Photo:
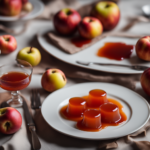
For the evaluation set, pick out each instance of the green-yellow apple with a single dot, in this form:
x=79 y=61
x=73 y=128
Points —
x=66 y=21
x=10 y=7
x=30 y=54
x=10 y=120
x=53 y=79
x=108 y=13
x=7 y=44
x=143 y=48
x=90 y=27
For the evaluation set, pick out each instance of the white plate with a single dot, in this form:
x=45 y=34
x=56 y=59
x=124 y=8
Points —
x=38 y=8
x=135 y=107
x=89 y=54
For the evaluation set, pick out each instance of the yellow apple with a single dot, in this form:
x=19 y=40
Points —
x=31 y=55
x=53 y=79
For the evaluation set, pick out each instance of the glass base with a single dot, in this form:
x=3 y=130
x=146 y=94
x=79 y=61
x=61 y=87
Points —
x=15 y=104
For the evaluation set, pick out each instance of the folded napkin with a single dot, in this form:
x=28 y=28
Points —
x=65 y=44
x=47 y=135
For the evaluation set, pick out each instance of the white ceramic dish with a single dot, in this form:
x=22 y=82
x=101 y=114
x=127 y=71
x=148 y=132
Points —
x=38 y=8
x=135 y=107
x=89 y=55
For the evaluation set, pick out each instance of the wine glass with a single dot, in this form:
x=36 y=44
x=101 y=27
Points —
x=15 y=76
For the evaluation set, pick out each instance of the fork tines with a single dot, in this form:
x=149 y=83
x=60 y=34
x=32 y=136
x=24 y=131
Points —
x=35 y=99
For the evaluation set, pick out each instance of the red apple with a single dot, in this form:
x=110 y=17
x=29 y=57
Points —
x=53 y=79
x=10 y=7
x=143 y=48
x=108 y=13
x=8 y=44
x=66 y=21
x=24 y=1
x=10 y=120
x=145 y=81
x=90 y=27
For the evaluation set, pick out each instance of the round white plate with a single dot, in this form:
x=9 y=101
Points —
x=136 y=108
x=38 y=8
x=89 y=55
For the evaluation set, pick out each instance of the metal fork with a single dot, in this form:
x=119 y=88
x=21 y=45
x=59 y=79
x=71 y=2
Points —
x=35 y=99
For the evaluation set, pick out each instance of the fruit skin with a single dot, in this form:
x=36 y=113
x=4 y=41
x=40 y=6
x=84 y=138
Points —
x=53 y=79
x=30 y=54
x=11 y=118
x=143 y=48
x=27 y=7
x=10 y=7
x=145 y=81
x=66 y=21
x=90 y=27
x=24 y=1
x=8 y=44
x=108 y=13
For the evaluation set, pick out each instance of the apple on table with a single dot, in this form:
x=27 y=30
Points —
x=8 y=44
x=26 y=5
x=145 y=81
x=10 y=7
x=108 y=13
x=143 y=48
x=53 y=79
x=90 y=27
x=66 y=21
x=30 y=54
x=10 y=120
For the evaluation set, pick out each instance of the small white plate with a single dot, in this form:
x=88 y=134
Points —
x=136 y=108
x=89 y=55
x=38 y=8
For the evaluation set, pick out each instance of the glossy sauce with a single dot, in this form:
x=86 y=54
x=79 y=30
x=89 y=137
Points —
x=79 y=41
x=117 y=51
x=81 y=125
x=13 y=81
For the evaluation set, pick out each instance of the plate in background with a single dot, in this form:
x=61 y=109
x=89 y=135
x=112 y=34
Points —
x=38 y=8
x=89 y=55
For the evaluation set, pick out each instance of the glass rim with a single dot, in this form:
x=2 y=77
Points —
x=20 y=71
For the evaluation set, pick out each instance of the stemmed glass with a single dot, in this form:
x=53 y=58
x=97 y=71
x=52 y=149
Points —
x=15 y=76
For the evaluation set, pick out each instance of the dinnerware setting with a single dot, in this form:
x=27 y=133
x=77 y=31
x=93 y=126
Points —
x=86 y=76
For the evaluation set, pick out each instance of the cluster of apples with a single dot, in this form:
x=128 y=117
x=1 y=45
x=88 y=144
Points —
x=14 y=7
x=105 y=15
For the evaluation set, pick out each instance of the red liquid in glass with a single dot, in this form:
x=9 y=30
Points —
x=79 y=41
x=117 y=51
x=13 y=81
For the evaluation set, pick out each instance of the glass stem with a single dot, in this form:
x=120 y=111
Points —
x=15 y=97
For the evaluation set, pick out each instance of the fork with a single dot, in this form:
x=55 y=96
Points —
x=35 y=99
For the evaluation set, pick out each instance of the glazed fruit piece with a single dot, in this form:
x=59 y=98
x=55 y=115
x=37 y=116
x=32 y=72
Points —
x=76 y=107
x=110 y=113
x=96 y=98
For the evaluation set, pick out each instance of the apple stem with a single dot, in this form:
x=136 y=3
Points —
x=107 y=6
x=30 y=50
x=90 y=20
x=53 y=71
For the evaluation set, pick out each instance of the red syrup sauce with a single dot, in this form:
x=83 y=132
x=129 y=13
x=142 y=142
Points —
x=92 y=117
x=117 y=51
x=79 y=41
